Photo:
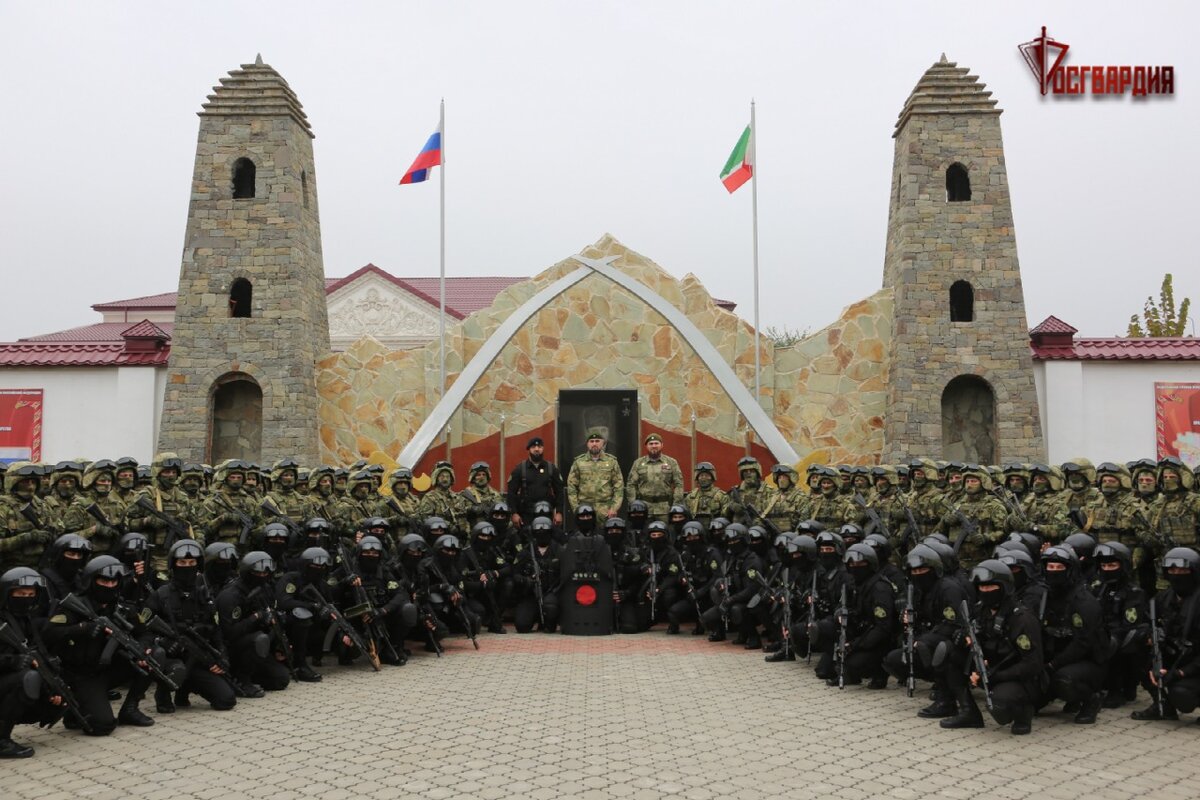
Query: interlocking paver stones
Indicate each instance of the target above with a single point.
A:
(647, 716)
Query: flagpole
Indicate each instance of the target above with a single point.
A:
(754, 213)
(442, 265)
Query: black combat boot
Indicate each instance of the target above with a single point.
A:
(698, 630)
(1089, 709)
(781, 654)
(673, 628)
(968, 715)
(1151, 712)
(162, 700)
(939, 709)
(11, 749)
(1022, 722)
(130, 714)
(307, 674)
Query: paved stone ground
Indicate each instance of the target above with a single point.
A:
(648, 716)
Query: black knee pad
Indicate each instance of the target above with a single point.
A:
(1065, 689)
(1184, 698)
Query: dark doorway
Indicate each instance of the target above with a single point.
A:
(236, 429)
(243, 179)
(240, 295)
(968, 421)
(612, 410)
(958, 184)
(962, 302)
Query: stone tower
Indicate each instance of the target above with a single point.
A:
(961, 378)
(250, 319)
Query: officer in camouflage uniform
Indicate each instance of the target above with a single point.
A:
(441, 501)
(978, 505)
(21, 543)
(1144, 473)
(165, 495)
(791, 501)
(401, 508)
(705, 500)
(223, 511)
(1114, 517)
(321, 497)
(752, 490)
(358, 504)
(98, 481)
(479, 496)
(125, 481)
(191, 482)
(285, 476)
(888, 504)
(656, 480)
(1046, 512)
(595, 479)
(845, 479)
(952, 492)
(830, 508)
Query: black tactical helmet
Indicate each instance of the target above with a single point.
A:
(831, 539)
(614, 522)
(1063, 555)
(945, 552)
(18, 577)
(993, 571)
(541, 524)
(1017, 558)
(501, 509)
(924, 556)
(1030, 541)
(447, 544)
(735, 534)
(414, 543)
(717, 524)
(133, 543)
(71, 541)
(101, 567)
(483, 530)
(275, 530)
(691, 529)
(806, 545)
(656, 530)
(678, 510)
(940, 537)
(319, 556)
(1182, 558)
(861, 553)
(851, 531)
(185, 548)
(371, 523)
(220, 551)
(638, 507)
(809, 526)
(255, 562)
(585, 510)
(881, 545)
(433, 524)
(1114, 551)
(318, 524)
(1084, 544)
(542, 508)
(757, 535)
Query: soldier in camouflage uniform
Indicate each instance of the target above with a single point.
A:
(979, 506)
(791, 502)
(401, 509)
(21, 542)
(285, 476)
(1016, 480)
(125, 481)
(706, 500)
(98, 480)
(227, 503)
(322, 499)
(952, 492)
(65, 481)
(831, 509)
(887, 502)
(1114, 518)
(1046, 513)
(479, 495)
(441, 501)
(1174, 515)
(191, 482)
(165, 495)
(752, 490)
(1081, 492)
(845, 479)
(360, 502)
(656, 480)
(1144, 473)
(595, 479)
(925, 499)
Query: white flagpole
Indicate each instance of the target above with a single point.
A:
(754, 212)
(442, 267)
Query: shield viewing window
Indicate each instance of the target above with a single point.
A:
(243, 179)
(958, 184)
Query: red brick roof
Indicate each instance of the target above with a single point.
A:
(97, 332)
(145, 330)
(1053, 324)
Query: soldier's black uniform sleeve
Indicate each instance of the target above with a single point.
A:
(751, 568)
(1090, 636)
(877, 613)
(234, 625)
(948, 599)
(1024, 635)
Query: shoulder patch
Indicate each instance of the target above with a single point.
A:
(1131, 615)
(714, 565)
(880, 612)
(948, 613)
(750, 573)
(290, 588)
(1077, 620)
(1023, 642)
(58, 619)
(237, 612)
(518, 547)
(673, 568)
(393, 585)
(331, 581)
(145, 616)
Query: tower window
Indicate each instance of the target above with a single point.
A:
(243, 178)
(958, 184)
(240, 295)
(304, 187)
(962, 302)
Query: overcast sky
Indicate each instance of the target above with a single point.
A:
(566, 120)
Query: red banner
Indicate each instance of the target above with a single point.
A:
(20, 425)
(1177, 421)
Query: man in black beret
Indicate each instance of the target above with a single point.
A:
(533, 480)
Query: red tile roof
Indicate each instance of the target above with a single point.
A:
(1053, 324)
(145, 330)
(78, 354)
(164, 301)
(1116, 349)
(464, 295)
(97, 332)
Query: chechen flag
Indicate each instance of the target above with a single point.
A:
(429, 157)
(740, 166)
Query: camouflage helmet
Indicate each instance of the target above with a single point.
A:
(68, 469)
(480, 466)
(784, 469)
(1081, 465)
(18, 471)
(283, 465)
(749, 463)
(1142, 465)
(439, 468)
(976, 471)
(165, 460)
(1054, 475)
(705, 466)
(96, 469)
(1186, 478)
(400, 475)
(315, 476)
(887, 472)
(1120, 471)
(360, 478)
(228, 467)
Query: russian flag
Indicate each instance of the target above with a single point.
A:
(429, 157)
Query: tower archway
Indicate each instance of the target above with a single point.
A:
(969, 421)
(235, 418)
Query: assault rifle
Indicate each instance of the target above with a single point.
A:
(98, 514)
(914, 535)
(872, 515)
(118, 629)
(1012, 504)
(690, 587)
(771, 527)
(176, 528)
(842, 617)
(376, 633)
(489, 586)
(910, 627)
(537, 583)
(971, 632)
(265, 605)
(28, 512)
(268, 505)
(242, 517)
(197, 649)
(49, 668)
(651, 587)
(969, 526)
(1156, 658)
(786, 632)
(812, 612)
(462, 612)
(338, 624)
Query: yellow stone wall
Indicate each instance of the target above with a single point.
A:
(826, 392)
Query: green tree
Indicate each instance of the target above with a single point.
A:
(1161, 318)
(785, 336)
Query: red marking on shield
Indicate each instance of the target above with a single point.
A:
(585, 595)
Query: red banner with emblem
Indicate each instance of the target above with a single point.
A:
(1177, 421)
(20, 425)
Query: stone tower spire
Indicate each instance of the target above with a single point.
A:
(961, 377)
(250, 319)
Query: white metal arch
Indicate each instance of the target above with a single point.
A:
(438, 418)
